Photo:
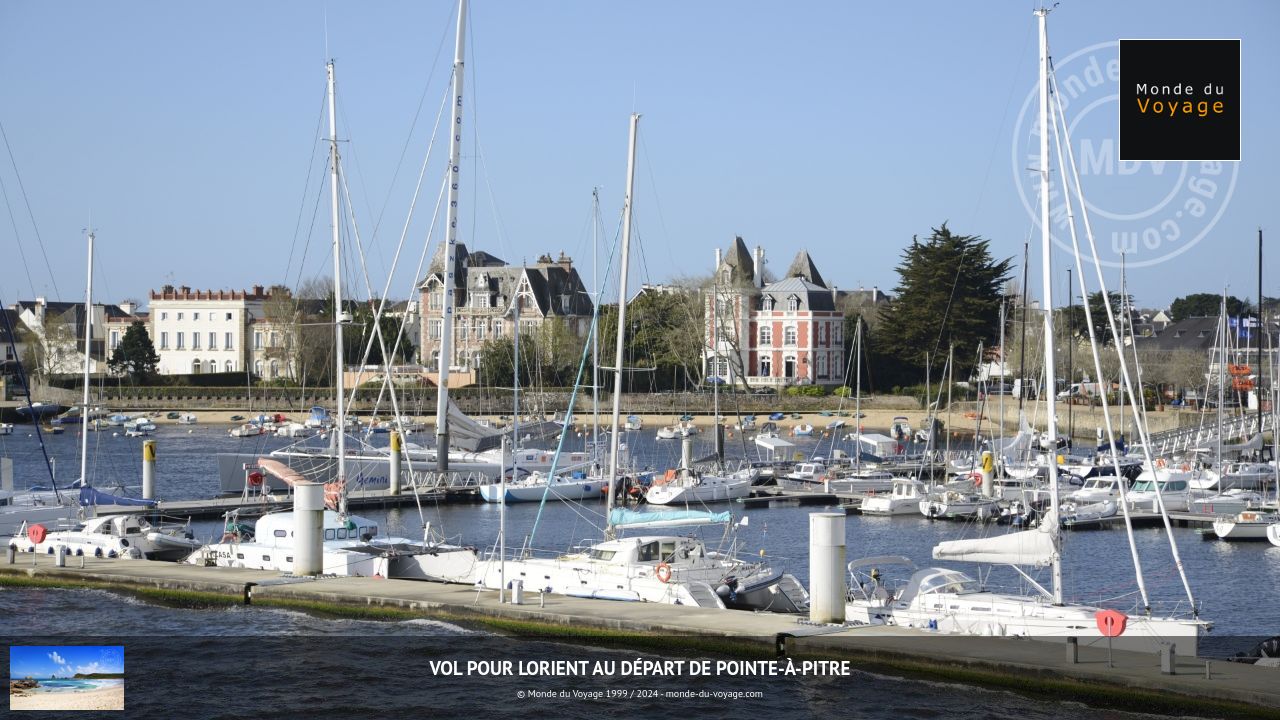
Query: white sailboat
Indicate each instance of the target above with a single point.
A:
(949, 601)
(111, 536)
(649, 568)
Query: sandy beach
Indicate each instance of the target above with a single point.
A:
(108, 698)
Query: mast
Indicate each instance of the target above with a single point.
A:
(857, 392)
(622, 318)
(595, 332)
(338, 318)
(1222, 374)
(1022, 345)
(1071, 346)
(1257, 387)
(1004, 373)
(451, 247)
(88, 340)
(1046, 242)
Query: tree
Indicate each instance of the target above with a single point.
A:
(1205, 305)
(1073, 317)
(135, 356)
(949, 291)
(51, 349)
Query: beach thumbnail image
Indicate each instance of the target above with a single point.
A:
(66, 677)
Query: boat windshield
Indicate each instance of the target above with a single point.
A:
(948, 582)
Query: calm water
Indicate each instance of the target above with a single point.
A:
(1235, 583)
(47, 685)
(251, 662)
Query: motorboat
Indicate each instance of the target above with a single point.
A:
(903, 500)
(187, 419)
(1231, 502)
(691, 486)
(6, 428)
(246, 430)
(294, 430)
(1173, 487)
(1075, 514)
(633, 422)
(958, 501)
(802, 430)
(746, 424)
(1099, 488)
(1246, 476)
(682, 429)
(112, 536)
(1245, 525)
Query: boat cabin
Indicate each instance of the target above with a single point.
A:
(649, 549)
(277, 529)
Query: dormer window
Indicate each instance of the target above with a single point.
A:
(793, 303)
(564, 302)
(766, 304)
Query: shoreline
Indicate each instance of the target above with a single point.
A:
(107, 698)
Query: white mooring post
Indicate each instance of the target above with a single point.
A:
(988, 474)
(826, 567)
(308, 517)
(149, 470)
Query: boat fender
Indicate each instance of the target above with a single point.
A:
(663, 572)
(49, 550)
(124, 542)
(134, 553)
(97, 552)
(79, 552)
(112, 554)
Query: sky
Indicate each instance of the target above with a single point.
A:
(41, 661)
(191, 136)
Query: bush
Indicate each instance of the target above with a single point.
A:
(806, 391)
(843, 391)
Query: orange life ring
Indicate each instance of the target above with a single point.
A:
(1160, 462)
(977, 479)
(255, 479)
(663, 572)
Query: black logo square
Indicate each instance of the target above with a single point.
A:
(1180, 100)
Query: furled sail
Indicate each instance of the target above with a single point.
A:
(1027, 547)
(90, 497)
(623, 519)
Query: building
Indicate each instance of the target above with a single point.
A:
(58, 329)
(787, 332)
(486, 288)
(205, 331)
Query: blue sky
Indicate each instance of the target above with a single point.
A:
(42, 661)
(187, 132)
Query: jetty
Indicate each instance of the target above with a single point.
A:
(1177, 684)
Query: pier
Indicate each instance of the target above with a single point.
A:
(1195, 685)
(262, 504)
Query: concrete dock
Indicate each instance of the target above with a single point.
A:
(262, 504)
(1214, 688)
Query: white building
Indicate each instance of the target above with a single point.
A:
(58, 329)
(204, 331)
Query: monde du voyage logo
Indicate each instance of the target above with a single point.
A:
(1159, 182)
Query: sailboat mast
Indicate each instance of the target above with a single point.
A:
(1046, 243)
(595, 330)
(339, 390)
(88, 340)
(622, 316)
(857, 392)
(451, 248)
(1257, 386)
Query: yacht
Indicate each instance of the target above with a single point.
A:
(903, 500)
(124, 536)
(1245, 525)
(692, 486)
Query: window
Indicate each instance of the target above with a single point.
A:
(257, 341)
(228, 316)
(766, 303)
(164, 341)
(275, 368)
(329, 534)
(280, 533)
(164, 316)
(766, 367)
(789, 336)
(179, 346)
(342, 533)
(115, 339)
(195, 316)
(462, 330)
(793, 303)
(789, 367)
(435, 300)
(226, 341)
(179, 316)
(766, 334)
(433, 329)
(497, 328)
(213, 341)
(822, 365)
(480, 299)
(195, 341)
(839, 332)
(229, 367)
(195, 367)
(257, 368)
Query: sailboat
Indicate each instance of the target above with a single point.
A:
(949, 601)
(672, 569)
(351, 544)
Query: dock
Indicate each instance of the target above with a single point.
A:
(1198, 686)
(262, 504)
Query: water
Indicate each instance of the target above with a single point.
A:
(1235, 583)
(60, 685)
(243, 662)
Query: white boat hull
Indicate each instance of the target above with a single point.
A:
(534, 492)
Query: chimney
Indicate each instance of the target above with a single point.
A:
(875, 294)
(718, 259)
(759, 267)
(257, 290)
(128, 307)
(835, 295)
(186, 289)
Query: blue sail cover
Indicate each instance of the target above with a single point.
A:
(624, 518)
(91, 496)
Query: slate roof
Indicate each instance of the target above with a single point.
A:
(739, 264)
(804, 267)
(813, 297)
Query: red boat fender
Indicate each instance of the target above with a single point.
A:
(1111, 622)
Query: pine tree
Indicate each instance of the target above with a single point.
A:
(949, 291)
(135, 355)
